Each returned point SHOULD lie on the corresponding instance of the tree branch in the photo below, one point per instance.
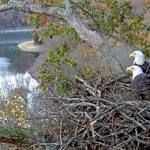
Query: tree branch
(73, 20)
(105, 54)
(32, 8)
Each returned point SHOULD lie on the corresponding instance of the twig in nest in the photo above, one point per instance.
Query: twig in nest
(88, 88)
(109, 123)
(60, 136)
(67, 144)
(116, 79)
(91, 124)
(136, 122)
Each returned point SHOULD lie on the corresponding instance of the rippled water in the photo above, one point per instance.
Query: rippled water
(14, 64)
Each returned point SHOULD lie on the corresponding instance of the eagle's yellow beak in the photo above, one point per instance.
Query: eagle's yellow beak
(131, 55)
(129, 70)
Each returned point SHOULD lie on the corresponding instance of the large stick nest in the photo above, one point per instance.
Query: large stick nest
(106, 116)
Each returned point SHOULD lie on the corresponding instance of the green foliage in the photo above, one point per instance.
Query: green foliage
(86, 72)
(147, 52)
(3, 1)
(89, 74)
(115, 18)
(14, 110)
(18, 134)
(22, 137)
(52, 74)
(36, 20)
(55, 29)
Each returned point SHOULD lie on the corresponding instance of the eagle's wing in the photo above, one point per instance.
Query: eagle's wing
(146, 67)
(141, 84)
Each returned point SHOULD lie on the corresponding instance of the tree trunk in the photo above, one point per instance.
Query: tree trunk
(111, 58)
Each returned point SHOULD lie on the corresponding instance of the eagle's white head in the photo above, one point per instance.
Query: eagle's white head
(134, 70)
(138, 56)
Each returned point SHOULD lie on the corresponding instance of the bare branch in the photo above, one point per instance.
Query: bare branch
(32, 8)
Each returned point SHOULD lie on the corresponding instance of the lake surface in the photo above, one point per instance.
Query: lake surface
(13, 60)
(14, 64)
(15, 36)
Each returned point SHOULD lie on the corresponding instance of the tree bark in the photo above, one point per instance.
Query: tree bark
(102, 46)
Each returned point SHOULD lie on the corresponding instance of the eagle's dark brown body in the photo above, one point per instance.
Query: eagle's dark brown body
(145, 67)
(141, 85)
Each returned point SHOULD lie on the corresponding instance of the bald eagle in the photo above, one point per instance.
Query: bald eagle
(140, 81)
(139, 60)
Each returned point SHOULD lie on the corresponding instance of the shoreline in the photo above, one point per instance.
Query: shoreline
(15, 36)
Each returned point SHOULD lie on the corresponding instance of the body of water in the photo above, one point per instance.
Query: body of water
(15, 36)
(13, 60)
(14, 66)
